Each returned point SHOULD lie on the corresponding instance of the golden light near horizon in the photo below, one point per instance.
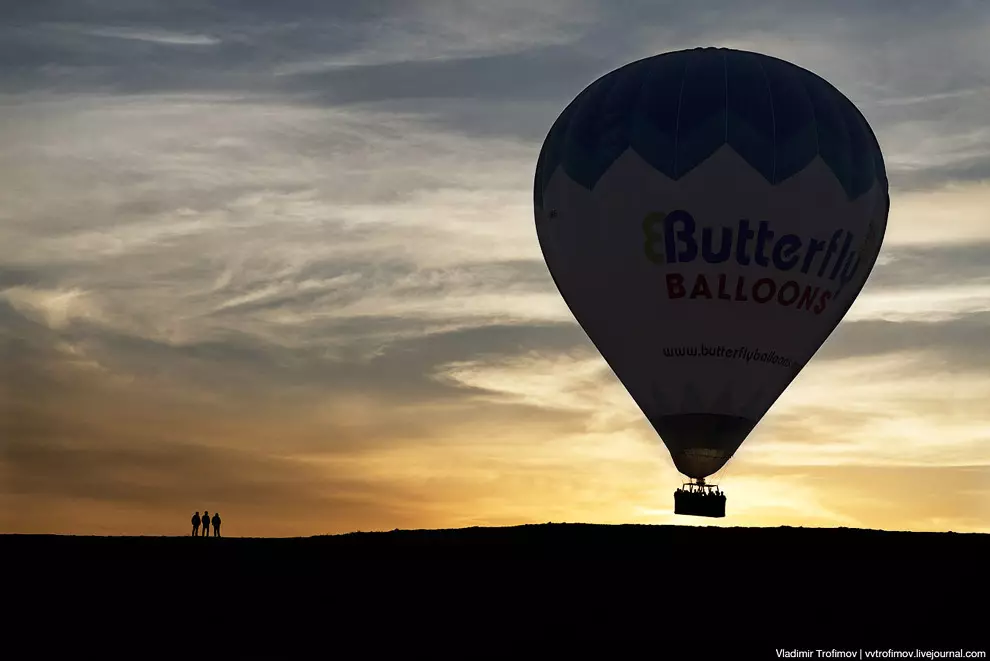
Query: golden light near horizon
(306, 290)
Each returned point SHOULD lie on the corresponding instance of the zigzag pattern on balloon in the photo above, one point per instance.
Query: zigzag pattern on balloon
(675, 110)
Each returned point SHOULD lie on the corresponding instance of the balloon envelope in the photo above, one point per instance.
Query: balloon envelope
(709, 216)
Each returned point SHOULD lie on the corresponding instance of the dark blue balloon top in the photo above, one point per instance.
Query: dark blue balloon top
(676, 109)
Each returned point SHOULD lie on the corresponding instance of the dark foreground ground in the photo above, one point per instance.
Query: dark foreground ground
(665, 590)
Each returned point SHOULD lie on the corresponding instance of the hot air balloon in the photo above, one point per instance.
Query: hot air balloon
(709, 215)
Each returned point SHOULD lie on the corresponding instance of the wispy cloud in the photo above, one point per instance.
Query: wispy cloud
(928, 98)
(139, 34)
(922, 304)
(952, 213)
(438, 31)
(54, 308)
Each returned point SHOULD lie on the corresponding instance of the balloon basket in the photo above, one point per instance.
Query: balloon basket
(699, 499)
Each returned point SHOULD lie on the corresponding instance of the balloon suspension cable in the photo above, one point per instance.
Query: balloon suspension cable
(700, 486)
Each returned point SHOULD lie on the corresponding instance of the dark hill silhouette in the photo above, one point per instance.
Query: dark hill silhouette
(700, 588)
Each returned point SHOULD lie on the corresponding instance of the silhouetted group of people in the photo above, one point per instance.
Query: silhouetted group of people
(205, 521)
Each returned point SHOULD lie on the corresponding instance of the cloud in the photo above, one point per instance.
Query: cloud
(925, 265)
(442, 31)
(924, 95)
(577, 382)
(56, 308)
(953, 213)
(353, 229)
(897, 408)
(917, 304)
(955, 343)
(281, 256)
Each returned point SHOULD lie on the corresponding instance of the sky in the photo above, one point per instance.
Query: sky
(278, 260)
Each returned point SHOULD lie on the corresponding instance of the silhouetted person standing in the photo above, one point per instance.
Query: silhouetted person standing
(216, 524)
(206, 524)
(195, 524)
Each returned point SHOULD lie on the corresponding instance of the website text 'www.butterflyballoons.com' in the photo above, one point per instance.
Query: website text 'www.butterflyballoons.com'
(747, 354)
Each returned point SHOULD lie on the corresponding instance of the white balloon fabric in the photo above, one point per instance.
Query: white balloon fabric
(709, 216)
